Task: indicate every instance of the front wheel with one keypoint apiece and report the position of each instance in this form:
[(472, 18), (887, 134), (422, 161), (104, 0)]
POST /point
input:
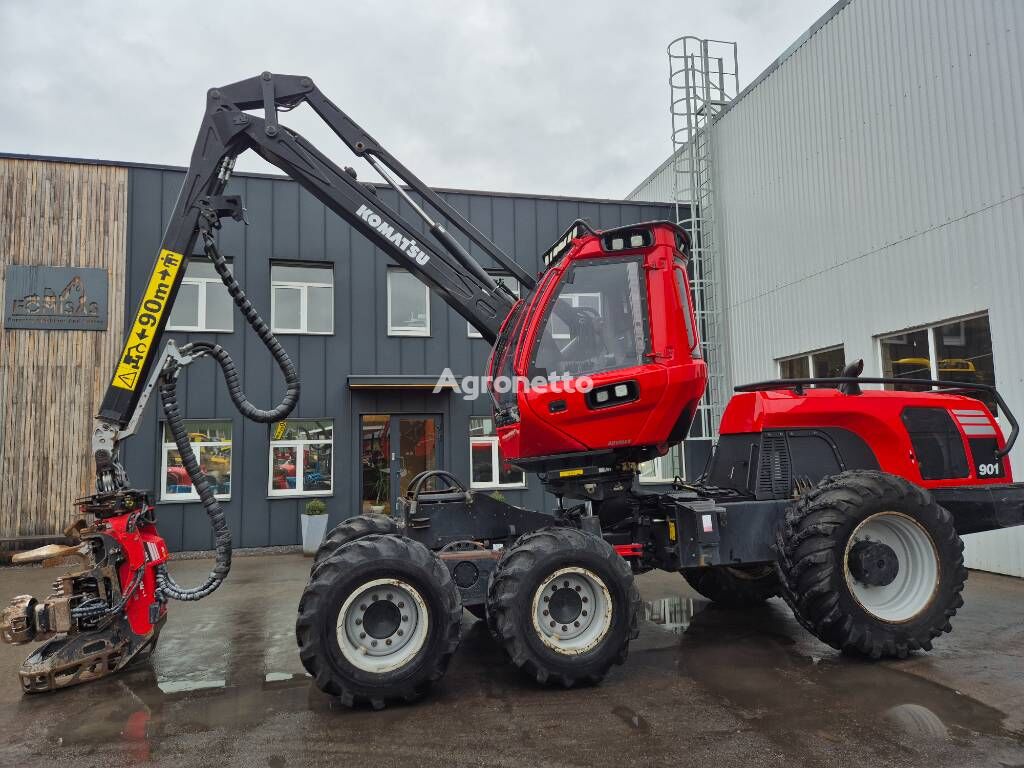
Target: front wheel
[(379, 621), (563, 605), (871, 564)]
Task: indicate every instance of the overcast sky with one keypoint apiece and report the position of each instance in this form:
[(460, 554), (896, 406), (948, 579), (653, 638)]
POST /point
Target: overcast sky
[(544, 97)]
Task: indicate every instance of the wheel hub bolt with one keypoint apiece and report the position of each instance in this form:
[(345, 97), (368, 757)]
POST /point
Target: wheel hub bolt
[(362, 635), (373, 643), (552, 623), (575, 623), (584, 613), (401, 604), (405, 618), (565, 628), (362, 606), (584, 599), (358, 622), (401, 632), (388, 641), (545, 613), (390, 596)]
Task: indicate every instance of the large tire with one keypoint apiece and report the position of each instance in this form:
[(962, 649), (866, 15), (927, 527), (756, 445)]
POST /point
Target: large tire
[(404, 592), (871, 565), (585, 584), (734, 586), (350, 530)]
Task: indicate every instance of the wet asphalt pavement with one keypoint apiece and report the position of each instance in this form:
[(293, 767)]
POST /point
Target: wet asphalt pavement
[(702, 685)]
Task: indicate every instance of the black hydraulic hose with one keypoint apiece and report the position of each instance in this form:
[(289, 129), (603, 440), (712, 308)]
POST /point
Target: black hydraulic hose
[(166, 585)]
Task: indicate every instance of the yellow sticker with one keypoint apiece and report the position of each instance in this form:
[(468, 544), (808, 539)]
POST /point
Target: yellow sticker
[(570, 472), (280, 429), (671, 530), (142, 337)]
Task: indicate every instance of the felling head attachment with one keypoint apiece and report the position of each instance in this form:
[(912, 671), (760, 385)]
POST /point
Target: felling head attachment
[(105, 611)]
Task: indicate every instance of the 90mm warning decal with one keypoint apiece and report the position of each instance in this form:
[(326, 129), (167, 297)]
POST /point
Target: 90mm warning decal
[(142, 336)]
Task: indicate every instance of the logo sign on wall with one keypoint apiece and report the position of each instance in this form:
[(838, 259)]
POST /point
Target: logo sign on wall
[(55, 298)]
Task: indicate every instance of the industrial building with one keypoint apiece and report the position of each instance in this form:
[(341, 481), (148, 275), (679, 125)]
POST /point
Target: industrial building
[(863, 198), (369, 340)]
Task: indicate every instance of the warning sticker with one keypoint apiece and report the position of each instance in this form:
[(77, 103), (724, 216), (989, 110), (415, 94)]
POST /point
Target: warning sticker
[(142, 335)]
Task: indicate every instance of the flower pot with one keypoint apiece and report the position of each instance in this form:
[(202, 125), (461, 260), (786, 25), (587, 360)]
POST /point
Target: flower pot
[(313, 529)]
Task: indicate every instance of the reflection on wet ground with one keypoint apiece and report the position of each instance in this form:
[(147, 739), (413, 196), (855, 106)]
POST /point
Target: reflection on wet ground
[(709, 684)]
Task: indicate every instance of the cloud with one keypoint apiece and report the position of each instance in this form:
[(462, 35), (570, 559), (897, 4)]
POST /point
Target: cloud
[(544, 97)]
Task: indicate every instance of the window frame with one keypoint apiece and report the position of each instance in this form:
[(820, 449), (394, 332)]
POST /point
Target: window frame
[(166, 447), (496, 484), (407, 330), (575, 304), (203, 284), (658, 463), (300, 457), (809, 357), (473, 333), (933, 351), (303, 287)]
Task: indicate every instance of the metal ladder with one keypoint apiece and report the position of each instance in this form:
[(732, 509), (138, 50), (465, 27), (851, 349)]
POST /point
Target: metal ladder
[(703, 78)]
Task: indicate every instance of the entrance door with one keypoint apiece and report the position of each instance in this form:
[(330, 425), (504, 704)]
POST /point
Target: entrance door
[(394, 449)]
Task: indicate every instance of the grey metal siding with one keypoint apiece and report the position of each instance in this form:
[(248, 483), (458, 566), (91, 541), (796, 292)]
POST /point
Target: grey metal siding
[(288, 223), (875, 182)]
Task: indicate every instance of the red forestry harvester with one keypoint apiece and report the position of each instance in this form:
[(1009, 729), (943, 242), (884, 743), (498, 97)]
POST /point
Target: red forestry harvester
[(848, 503)]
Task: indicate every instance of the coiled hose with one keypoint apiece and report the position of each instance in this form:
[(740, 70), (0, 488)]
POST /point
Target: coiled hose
[(166, 585)]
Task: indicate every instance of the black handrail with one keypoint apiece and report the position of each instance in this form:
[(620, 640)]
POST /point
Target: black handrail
[(949, 387)]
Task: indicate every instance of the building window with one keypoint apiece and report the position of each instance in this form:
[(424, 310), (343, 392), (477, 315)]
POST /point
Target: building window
[(211, 444), (487, 467), (509, 282), (203, 303), (301, 298), (823, 364), (664, 469), (302, 457), (559, 330), (955, 350), (408, 305)]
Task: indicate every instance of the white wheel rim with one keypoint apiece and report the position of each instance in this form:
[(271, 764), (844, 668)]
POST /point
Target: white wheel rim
[(572, 611), (382, 625), (915, 585)]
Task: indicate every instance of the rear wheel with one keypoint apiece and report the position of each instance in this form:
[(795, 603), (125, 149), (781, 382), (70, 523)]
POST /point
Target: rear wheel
[(871, 564), (379, 621), (350, 530), (735, 586), (563, 605)]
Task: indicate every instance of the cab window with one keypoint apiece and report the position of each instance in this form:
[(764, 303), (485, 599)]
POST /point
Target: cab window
[(597, 320)]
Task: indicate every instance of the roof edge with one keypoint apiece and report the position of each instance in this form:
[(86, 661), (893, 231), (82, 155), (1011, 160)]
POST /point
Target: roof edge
[(283, 177)]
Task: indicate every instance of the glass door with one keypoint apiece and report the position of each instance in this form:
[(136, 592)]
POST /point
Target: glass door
[(394, 448)]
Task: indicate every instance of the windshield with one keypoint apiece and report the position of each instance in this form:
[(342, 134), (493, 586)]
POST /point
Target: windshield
[(597, 322)]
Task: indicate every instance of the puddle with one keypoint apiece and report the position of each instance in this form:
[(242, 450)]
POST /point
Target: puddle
[(753, 662)]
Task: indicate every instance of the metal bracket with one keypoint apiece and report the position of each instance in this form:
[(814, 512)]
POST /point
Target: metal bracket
[(107, 436)]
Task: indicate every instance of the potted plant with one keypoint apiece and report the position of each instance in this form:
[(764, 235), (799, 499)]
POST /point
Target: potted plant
[(380, 490), (314, 526)]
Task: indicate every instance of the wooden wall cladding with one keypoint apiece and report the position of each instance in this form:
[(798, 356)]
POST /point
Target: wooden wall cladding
[(51, 381)]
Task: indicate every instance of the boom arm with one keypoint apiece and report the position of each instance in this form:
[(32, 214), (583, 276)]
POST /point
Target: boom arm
[(228, 130)]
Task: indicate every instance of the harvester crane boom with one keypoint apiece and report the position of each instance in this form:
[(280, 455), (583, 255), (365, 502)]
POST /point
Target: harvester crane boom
[(228, 129)]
